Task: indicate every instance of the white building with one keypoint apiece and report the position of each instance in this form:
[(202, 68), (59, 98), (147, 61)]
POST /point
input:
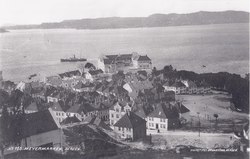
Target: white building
[(117, 111)]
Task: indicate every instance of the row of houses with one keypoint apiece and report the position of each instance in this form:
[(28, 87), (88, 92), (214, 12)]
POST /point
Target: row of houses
[(187, 87)]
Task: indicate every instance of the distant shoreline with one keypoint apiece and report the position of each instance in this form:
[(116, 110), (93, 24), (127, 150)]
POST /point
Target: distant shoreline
[(154, 20)]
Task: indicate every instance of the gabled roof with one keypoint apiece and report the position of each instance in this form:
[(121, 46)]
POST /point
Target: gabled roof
[(141, 112), (178, 84), (55, 94), (96, 121), (56, 106), (70, 120), (81, 85), (143, 58), (111, 57), (107, 61), (79, 108), (32, 107), (121, 104), (70, 74), (130, 120), (95, 72), (38, 122), (124, 57), (181, 108), (166, 111)]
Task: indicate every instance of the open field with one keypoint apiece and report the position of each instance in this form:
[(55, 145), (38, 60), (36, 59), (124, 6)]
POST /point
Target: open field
[(211, 104), (204, 108)]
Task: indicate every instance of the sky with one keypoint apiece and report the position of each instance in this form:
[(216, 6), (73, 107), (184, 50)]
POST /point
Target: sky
[(38, 11)]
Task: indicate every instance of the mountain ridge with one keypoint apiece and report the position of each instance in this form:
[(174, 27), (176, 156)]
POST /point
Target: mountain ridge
[(154, 20)]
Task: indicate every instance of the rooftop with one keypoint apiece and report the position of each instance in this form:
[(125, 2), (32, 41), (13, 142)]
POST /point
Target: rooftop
[(130, 120)]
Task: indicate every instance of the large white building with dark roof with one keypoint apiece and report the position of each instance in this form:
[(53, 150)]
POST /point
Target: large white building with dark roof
[(124, 62)]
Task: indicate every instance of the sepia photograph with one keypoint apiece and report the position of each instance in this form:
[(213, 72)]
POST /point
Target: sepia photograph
[(124, 79)]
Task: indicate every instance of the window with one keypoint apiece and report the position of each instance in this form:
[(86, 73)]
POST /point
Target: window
[(112, 115), (117, 115), (117, 110), (163, 126), (119, 128), (152, 124), (149, 124)]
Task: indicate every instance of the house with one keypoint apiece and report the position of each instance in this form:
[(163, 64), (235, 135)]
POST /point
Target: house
[(134, 86), (131, 126), (117, 111), (8, 86), (31, 108), (142, 63), (84, 87), (163, 117), (70, 120), (54, 96), (55, 81), (184, 112), (94, 120), (70, 74), (140, 111), (95, 73), (124, 62), (56, 107), (178, 87), (81, 111), (103, 110), (40, 129)]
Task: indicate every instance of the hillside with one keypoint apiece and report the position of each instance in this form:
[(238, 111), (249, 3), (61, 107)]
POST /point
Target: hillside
[(155, 20)]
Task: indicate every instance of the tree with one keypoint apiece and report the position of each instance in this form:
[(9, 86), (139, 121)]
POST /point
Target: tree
[(90, 66)]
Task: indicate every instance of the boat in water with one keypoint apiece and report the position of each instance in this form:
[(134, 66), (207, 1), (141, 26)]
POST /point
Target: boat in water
[(73, 59)]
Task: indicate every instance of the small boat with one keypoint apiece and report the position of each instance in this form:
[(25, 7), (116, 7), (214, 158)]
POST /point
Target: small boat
[(73, 59), (33, 75)]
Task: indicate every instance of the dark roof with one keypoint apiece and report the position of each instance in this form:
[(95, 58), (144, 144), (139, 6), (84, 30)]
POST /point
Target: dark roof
[(143, 58), (32, 106), (163, 110), (96, 121), (130, 120), (142, 72), (57, 106), (38, 122), (70, 74), (124, 57), (141, 112), (183, 109), (95, 72), (107, 61), (79, 108), (70, 120), (80, 85), (111, 57), (178, 84)]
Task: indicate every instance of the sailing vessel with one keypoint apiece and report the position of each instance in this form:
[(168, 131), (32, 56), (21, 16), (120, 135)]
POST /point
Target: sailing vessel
[(73, 59)]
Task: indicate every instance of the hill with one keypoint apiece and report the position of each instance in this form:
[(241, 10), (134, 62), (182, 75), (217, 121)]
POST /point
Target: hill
[(155, 20)]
